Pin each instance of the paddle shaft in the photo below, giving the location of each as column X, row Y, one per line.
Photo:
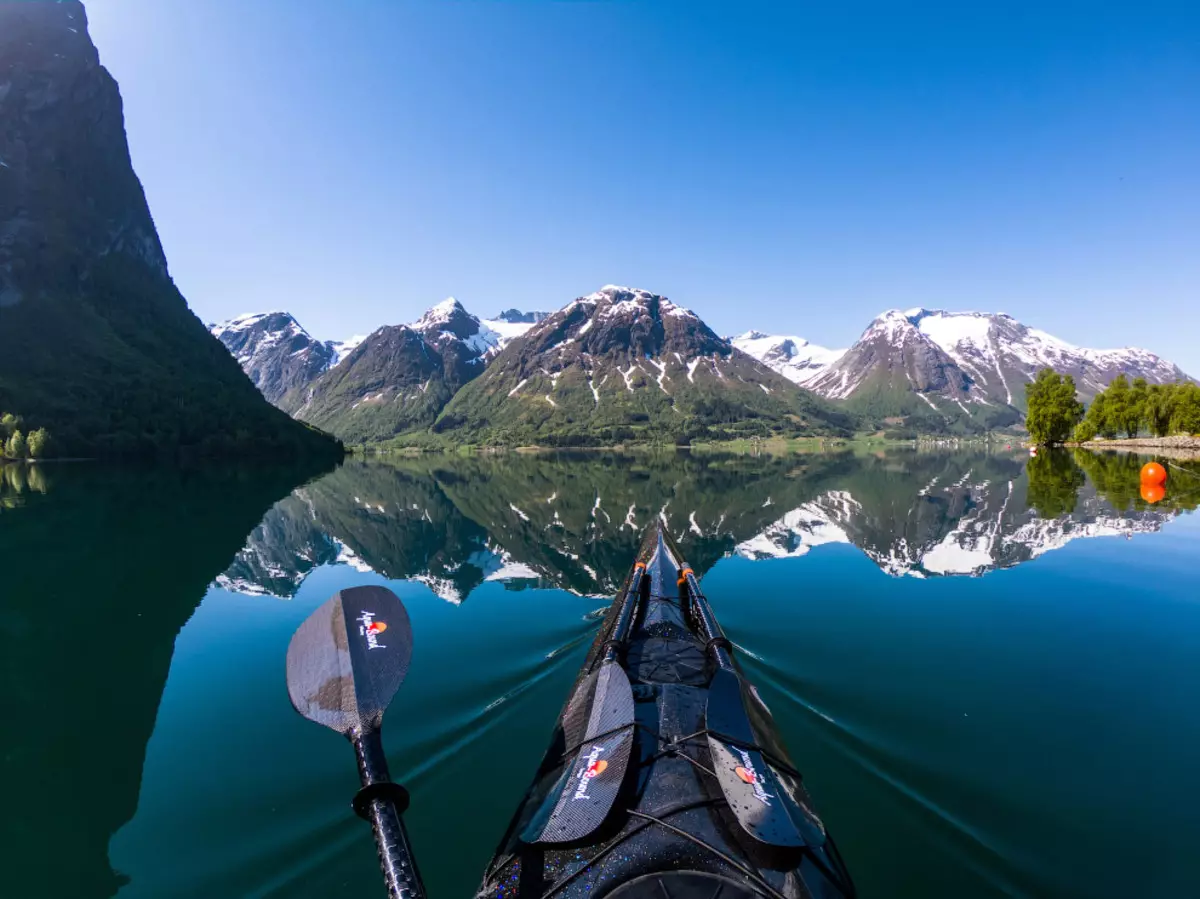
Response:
column 395, row 853
column 712, row 630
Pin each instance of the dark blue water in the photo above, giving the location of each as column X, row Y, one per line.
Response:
column 988, row 673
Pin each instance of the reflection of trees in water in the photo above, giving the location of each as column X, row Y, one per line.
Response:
column 19, row 478
column 1117, row 476
column 1054, row 482
column 99, row 577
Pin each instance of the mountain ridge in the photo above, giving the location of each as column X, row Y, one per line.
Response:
column 935, row 369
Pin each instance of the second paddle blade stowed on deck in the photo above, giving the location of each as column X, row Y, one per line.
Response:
column 347, row 660
column 759, row 801
column 584, row 794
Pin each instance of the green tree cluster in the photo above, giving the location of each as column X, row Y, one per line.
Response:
column 1127, row 409
column 15, row 444
column 1054, row 410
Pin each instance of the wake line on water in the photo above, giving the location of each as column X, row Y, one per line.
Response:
column 854, row 744
column 333, row 834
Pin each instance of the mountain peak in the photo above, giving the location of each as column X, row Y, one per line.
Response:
column 628, row 299
column 442, row 314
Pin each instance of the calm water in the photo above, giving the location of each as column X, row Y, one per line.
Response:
column 988, row 670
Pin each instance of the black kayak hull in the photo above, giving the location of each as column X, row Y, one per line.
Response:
column 687, row 793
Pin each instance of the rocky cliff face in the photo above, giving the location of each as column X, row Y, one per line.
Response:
column 96, row 344
column 68, row 193
column 275, row 352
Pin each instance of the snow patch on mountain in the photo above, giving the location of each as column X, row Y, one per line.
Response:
column 795, row 358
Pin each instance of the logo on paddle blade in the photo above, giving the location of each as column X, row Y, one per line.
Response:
column 594, row 768
column 371, row 629
column 748, row 775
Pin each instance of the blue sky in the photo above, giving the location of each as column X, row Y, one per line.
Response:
column 791, row 167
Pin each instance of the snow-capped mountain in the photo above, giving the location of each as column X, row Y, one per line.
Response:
column 624, row 357
column 274, row 351
column 1000, row 354
column 793, row 357
column 399, row 377
column 659, row 365
column 968, row 363
column 895, row 369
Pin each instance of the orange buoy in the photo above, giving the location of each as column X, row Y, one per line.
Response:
column 1153, row 493
column 1153, row 473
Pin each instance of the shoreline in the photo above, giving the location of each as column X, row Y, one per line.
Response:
column 1179, row 447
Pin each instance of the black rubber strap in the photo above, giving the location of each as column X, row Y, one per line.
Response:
column 718, row 643
column 380, row 790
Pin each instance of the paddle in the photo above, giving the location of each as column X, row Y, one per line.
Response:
column 763, row 807
column 766, row 811
column 587, row 788
column 344, row 665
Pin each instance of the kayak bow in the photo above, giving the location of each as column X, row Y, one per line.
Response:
column 665, row 775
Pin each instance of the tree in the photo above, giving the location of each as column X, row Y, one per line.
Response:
column 1185, row 411
column 8, row 424
column 1159, row 404
column 1084, row 431
column 16, row 446
column 1053, row 408
column 1138, row 395
column 36, row 443
column 1099, row 419
column 1124, row 413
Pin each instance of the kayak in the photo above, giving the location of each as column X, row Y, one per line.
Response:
column 665, row 777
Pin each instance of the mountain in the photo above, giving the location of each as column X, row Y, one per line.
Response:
column 274, row 351
column 281, row 357
column 623, row 364
column 399, row 377
column 966, row 367
column 896, row 370
column 793, row 357
column 96, row 343
column 1000, row 354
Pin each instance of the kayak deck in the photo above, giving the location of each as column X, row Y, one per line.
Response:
column 708, row 805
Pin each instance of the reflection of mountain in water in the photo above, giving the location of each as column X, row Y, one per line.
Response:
column 573, row 521
column 99, row 577
column 968, row 514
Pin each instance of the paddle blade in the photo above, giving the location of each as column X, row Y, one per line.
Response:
column 347, row 660
column 765, row 809
column 584, row 794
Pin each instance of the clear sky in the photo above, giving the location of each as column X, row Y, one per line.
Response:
column 796, row 168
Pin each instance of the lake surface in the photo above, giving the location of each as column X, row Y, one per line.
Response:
column 988, row 667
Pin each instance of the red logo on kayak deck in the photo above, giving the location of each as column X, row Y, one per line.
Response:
column 745, row 774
